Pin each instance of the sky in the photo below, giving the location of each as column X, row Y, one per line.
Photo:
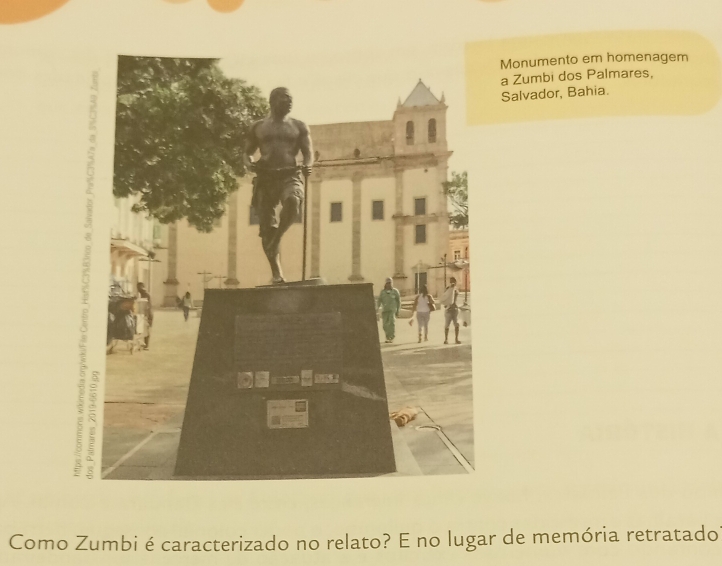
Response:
column 344, row 60
column 348, row 85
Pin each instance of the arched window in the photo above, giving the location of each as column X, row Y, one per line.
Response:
column 409, row 133
column 432, row 131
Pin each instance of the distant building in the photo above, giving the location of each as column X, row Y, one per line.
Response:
column 376, row 208
column 132, row 239
column 459, row 255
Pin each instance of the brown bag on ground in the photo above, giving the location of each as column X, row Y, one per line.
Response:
column 404, row 416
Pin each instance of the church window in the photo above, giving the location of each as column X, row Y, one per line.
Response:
column 357, row 153
column 420, row 206
column 420, row 234
column 336, row 211
column 377, row 210
column 409, row 133
column 432, row 131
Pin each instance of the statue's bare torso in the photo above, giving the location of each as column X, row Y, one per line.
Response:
column 279, row 141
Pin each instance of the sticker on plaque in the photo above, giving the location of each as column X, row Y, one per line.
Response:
column 285, row 380
column 287, row 413
column 245, row 380
column 306, row 377
column 326, row 378
column 262, row 378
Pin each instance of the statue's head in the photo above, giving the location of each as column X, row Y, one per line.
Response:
column 281, row 101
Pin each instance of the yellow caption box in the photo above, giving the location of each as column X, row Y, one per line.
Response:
column 620, row 73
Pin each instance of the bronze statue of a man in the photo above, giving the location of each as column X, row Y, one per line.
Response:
column 279, row 179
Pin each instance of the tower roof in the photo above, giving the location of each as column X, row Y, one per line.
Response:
column 421, row 96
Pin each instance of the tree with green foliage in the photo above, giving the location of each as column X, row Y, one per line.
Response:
column 181, row 126
column 457, row 191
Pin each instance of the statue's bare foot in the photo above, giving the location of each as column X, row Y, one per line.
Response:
column 276, row 269
column 277, row 273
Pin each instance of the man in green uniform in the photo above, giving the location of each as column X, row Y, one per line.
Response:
column 390, row 303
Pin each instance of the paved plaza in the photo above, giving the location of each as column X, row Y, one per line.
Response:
column 145, row 396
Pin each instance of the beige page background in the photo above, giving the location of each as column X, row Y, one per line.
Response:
column 596, row 249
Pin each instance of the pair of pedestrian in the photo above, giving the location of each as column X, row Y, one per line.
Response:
column 424, row 305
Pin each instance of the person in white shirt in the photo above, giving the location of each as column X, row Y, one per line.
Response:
column 187, row 304
column 423, row 305
column 451, row 314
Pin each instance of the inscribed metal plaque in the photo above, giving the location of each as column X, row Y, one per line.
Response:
column 262, row 379
column 287, row 413
column 288, row 344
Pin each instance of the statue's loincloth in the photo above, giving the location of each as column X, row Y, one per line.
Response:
column 271, row 187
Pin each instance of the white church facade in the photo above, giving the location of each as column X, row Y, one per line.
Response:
column 376, row 209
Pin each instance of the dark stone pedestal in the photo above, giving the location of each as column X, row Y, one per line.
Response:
column 287, row 382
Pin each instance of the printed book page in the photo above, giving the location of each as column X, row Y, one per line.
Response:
column 331, row 281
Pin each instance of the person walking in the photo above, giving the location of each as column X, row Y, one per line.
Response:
column 187, row 304
column 451, row 314
column 143, row 294
column 390, row 303
column 423, row 307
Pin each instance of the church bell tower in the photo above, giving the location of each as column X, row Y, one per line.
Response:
column 420, row 123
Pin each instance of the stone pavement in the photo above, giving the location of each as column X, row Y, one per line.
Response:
column 145, row 397
column 435, row 378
